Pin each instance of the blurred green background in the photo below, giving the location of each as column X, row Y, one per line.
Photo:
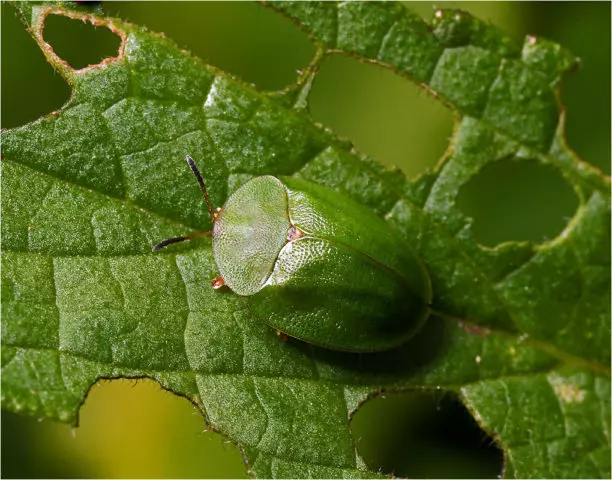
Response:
column 133, row 428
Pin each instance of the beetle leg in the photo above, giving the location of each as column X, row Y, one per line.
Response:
column 294, row 233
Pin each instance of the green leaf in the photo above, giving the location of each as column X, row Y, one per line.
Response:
column 521, row 331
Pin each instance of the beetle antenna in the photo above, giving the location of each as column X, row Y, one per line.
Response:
column 196, row 172
column 170, row 241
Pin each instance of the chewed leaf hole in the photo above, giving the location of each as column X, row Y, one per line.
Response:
column 216, row 31
column 386, row 116
column 30, row 86
column 514, row 200
column 424, row 435
column 127, row 429
column 78, row 42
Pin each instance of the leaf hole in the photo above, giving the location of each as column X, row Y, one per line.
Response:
column 242, row 38
column 30, row 86
column 79, row 42
column 586, row 95
column 386, row 116
column 517, row 200
column 127, row 429
column 424, row 435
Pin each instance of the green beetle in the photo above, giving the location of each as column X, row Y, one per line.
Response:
column 316, row 265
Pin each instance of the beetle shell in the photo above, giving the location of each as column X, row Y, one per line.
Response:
column 320, row 267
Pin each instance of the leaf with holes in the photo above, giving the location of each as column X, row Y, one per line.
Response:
column 521, row 331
